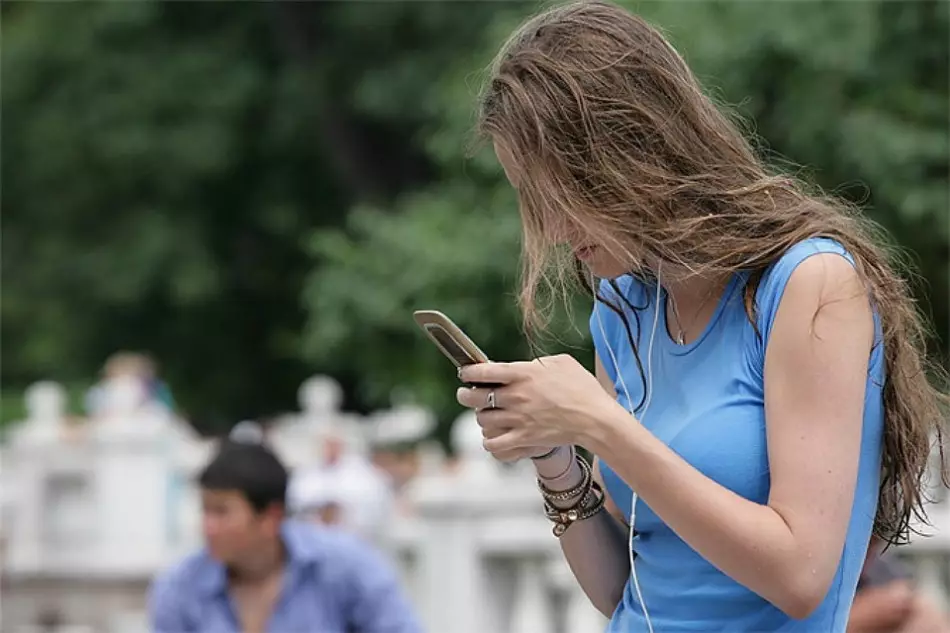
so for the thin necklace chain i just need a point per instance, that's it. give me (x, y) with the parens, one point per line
(681, 331)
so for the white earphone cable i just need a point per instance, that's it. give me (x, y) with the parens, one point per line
(646, 408)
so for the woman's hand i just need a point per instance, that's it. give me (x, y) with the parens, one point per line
(548, 402)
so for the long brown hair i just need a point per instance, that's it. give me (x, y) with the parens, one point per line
(612, 135)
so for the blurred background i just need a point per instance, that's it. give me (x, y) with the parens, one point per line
(239, 204)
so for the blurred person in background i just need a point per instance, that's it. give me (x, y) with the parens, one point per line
(123, 366)
(399, 460)
(760, 403)
(887, 601)
(344, 488)
(315, 498)
(400, 446)
(263, 572)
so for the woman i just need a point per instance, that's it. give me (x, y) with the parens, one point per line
(760, 404)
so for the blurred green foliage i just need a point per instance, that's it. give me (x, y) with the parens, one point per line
(253, 192)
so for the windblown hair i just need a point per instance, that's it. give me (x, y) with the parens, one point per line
(613, 138)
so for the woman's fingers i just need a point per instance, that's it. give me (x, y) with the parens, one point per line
(491, 432)
(494, 373)
(477, 397)
(508, 441)
(496, 419)
(511, 456)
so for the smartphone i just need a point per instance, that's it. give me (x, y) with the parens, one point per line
(450, 339)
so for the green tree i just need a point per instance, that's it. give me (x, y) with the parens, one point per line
(148, 200)
(163, 160)
(257, 191)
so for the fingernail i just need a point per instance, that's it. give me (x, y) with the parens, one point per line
(459, 373)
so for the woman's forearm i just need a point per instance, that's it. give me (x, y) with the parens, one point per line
(750, 542)
(596, 548)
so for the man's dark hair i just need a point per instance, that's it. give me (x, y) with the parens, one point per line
(251, 469)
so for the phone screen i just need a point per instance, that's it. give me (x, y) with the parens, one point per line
(449, 346)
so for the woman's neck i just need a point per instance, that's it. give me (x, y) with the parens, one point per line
(692, 302)
(690, 291)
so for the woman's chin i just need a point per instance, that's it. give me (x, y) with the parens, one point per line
(610, 269)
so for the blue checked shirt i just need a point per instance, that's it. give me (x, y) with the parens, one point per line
(334, 583)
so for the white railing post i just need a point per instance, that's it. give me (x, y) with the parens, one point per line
(451, 511)
(532, 608)
(451, 575)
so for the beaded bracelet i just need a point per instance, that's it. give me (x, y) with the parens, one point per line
(591, 503)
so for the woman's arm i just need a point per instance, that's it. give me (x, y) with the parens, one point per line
(595, 549)
(816, 367)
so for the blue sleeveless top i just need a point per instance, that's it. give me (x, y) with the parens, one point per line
(708, 406)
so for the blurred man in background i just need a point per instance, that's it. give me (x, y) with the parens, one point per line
(261, 572)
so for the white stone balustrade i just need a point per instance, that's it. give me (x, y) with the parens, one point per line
(296, 437)
(481, 553)
(96, 497)
(113, 500)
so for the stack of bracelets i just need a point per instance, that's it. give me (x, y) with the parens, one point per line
(587, 497)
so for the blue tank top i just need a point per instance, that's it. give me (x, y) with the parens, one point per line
(708, 406)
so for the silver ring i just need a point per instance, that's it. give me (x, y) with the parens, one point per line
(491, 399)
